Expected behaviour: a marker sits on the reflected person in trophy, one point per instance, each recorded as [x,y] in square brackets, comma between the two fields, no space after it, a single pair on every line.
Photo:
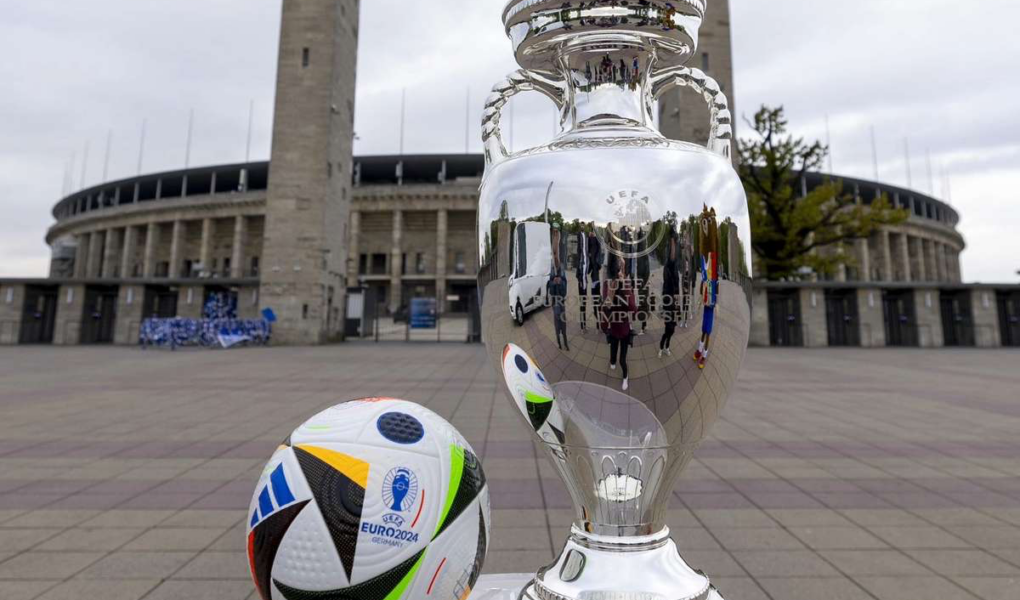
[708,245]
[557,294]
[670,300]
[618,308]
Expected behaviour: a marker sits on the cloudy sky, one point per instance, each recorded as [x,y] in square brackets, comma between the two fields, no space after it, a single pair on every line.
[74,73]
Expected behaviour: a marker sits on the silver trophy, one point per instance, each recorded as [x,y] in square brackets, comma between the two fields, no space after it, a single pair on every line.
[614,282]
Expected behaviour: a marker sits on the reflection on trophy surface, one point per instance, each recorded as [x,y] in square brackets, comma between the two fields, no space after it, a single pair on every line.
[614,281]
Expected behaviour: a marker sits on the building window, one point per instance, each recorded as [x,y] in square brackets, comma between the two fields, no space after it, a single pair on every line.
[226,267]
[378,264]
[254,266]
[362,264]
[459,266]
[163,269]
[704,61]
[419,263]
[403,263]
[306,57]
[188,268]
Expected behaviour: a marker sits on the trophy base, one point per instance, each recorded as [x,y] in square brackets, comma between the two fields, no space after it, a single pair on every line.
[607,568]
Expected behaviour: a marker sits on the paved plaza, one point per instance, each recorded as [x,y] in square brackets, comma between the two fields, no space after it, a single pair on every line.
[832,474]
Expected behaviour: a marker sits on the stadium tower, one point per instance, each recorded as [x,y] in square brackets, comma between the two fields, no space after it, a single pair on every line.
[307,203]
[683,115]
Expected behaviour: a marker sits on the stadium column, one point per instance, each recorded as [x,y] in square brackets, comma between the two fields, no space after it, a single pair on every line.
[922,269]
[128,250]
[442,226]
[304,249]
[354,252]
[904,252]
[933,263]
[95,254]
[111,265]
[887,272]
[237,252]
[396,261]
[943,265]
[176,249]
[205,253]
[863,260]
[151,244]
[81,256]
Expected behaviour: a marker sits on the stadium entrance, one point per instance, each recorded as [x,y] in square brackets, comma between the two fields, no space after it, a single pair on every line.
[160,302]
[900,318]
[957,319]
[784,318]
[1009,318]
[99,316]
[39,315]
[841,317]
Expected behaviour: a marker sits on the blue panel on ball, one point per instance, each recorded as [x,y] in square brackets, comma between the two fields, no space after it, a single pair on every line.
[265,504]
[281,491]
[401,428]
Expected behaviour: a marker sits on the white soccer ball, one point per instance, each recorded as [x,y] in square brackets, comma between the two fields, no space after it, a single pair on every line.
[375,499]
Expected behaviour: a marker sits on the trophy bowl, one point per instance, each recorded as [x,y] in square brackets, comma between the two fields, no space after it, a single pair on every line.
[614,281]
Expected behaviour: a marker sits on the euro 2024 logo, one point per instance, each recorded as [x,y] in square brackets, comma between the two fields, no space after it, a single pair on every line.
[399,491]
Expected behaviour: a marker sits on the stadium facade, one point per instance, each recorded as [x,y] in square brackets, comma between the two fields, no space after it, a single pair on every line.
[298,233]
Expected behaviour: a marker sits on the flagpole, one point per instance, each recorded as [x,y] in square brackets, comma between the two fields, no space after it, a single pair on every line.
[84,166]
[187,146]
[828,143]
[106,159]
[141,146]
[403,108]
[251,117]
[874,152]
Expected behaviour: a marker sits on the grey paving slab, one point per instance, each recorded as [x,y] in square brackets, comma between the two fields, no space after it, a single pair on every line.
[817,481]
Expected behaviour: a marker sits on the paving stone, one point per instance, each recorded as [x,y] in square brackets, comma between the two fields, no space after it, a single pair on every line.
[752,517]
[1001,536]
[90,539]
[201,590]
[47,565]
[517,561]
[914,588]
[175,539]
[874,562]
[742,588]
[813,588]
[964,563]
[837,538]
[24,590]
[784,563]
[77,589]
[918,537]
[134,565]
[16,540]
[127,519]
[808,517]
[52,518]
[991,588]
[216,565]
[756,538]
[520,538]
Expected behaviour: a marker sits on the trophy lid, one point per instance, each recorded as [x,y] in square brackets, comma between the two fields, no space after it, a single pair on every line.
[541,30]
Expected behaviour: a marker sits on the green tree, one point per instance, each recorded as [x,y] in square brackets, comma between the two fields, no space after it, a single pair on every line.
[787,228]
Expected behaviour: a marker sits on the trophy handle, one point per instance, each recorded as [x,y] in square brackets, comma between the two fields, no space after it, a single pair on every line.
[514,83]
[721,135]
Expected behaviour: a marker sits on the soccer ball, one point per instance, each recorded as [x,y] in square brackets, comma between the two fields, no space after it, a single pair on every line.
[374,499]
[532,394]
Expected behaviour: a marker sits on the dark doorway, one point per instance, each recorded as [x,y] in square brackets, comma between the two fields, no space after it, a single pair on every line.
[459,298]
[900,318]
[160,302]
[841,316]
[1009,318]
[99,316]
[39,315]
[957,319]
[784,318]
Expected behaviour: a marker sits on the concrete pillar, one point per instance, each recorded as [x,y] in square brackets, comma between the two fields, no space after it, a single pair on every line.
[986,318]
[95,262]
[70,304]
[871,316]
[759,317]
[954,266]
[237,255]
[887,272]
[442,229]
[151,243]
[128,251]
[129,314]
[176,249]
[205,252]
[904,251]
[815,329]
[354,247]
[863,260]
[922,270]
[81,256]
[12,301]
[932,261]
[928,310]
[943,263]
[111,262]
[190,301]
[396,252]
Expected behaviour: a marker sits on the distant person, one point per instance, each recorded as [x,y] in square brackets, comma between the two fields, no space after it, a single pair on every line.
[618,309]
[708,246]
[557,291]
[670,299]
